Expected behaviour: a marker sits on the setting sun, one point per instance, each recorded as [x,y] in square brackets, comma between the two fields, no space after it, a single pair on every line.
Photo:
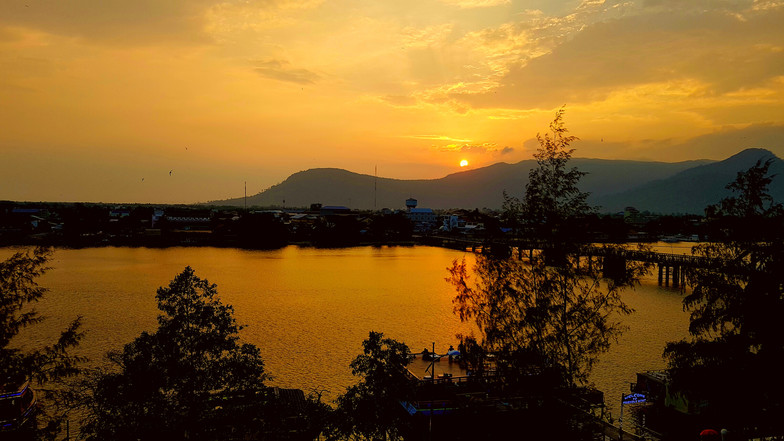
[463,163]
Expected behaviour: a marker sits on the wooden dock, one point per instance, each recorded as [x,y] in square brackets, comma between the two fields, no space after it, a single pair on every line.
[672,268]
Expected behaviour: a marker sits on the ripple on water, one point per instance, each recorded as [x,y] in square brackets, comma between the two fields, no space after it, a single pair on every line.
[309,310]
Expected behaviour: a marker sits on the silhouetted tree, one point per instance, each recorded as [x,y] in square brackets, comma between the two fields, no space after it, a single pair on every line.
[262,230]
[731,360]
[371,409]
[545,313]
[47,368]
[553,199]
[177,382]
[391,227]
[337,231]
[537,316]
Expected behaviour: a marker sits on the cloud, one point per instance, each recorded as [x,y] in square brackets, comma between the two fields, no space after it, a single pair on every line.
[719,145]
[137,22]
[112,21]
[470,4]
[718,50]
[424,37]
[281,70]
[437,138]
[727,142]
[481,149]
[399,100]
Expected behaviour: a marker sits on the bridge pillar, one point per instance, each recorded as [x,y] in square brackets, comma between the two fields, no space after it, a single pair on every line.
[661,269]
[666,275]
[683,276]
[676,276]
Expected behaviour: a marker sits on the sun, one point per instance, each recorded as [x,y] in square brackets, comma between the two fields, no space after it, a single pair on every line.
[463,163]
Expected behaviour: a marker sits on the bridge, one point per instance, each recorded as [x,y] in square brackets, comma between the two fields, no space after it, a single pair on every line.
[672,268]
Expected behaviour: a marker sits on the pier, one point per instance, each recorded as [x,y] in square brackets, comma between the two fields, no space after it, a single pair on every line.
[672,268]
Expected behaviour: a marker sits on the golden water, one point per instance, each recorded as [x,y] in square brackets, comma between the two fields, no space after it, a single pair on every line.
[309,310]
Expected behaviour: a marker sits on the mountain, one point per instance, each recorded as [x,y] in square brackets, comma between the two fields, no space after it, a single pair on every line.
[470,189]
[691,190]
[659,187]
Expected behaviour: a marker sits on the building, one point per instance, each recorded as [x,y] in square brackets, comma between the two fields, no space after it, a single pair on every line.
[422,215]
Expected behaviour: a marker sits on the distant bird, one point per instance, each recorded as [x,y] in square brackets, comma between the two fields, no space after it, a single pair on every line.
[170,172]
[142,179]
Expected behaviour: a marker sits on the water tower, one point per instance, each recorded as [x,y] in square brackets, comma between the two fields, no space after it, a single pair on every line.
[411,203]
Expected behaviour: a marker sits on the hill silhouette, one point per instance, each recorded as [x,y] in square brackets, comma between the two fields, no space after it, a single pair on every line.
[691,190]
[661,187]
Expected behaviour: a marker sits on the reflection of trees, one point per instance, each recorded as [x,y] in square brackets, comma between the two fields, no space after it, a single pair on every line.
[545,314]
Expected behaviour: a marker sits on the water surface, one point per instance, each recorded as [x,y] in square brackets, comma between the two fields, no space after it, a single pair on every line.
[309,310]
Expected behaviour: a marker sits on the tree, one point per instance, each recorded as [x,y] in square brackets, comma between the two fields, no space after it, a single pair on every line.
[48,368]
[175,382]
[370,409]
[552,196]
[545,313]
[735,309]
[536,316]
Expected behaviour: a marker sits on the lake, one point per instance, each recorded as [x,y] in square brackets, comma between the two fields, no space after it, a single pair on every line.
[309,309]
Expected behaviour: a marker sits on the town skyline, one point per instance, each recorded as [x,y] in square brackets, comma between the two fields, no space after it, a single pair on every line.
[184,102]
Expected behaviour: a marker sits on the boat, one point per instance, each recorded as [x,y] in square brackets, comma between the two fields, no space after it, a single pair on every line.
[17,406]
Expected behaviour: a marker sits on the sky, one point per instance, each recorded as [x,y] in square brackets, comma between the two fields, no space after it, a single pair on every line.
[184,101]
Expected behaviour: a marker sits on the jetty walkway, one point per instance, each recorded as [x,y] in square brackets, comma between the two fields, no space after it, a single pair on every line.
[672,268]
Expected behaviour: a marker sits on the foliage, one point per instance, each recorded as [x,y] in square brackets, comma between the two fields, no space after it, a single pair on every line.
[336,231]
[391,227]
[173,383]
[552,196]
[545,313]
[49,367]
[262,230]
[534,316]
[735,310]
[371,409]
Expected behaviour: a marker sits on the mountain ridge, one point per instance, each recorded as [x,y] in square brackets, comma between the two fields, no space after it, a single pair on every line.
[662,187]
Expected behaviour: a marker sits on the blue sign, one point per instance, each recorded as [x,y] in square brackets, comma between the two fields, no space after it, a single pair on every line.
[634,398]
[409,407]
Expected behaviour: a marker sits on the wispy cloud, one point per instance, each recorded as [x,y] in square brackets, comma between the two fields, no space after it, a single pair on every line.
[282,70]
[484,148]
[425,37]
[437,138]
[470,4]
[398,100]
[659,47]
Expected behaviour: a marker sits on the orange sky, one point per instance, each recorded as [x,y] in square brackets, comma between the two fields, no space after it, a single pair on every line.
[100,100]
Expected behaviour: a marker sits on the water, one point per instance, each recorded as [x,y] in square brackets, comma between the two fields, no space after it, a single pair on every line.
[309,310]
